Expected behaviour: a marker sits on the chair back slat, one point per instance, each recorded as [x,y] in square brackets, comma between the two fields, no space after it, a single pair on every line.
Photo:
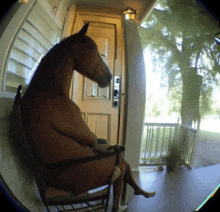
[27,153]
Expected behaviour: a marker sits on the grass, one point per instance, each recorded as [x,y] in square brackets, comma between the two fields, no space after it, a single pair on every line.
[207,135]
[153,159]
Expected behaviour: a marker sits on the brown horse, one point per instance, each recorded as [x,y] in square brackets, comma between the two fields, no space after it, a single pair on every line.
[54,123]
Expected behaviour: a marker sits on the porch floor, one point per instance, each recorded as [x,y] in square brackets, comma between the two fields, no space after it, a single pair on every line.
[183,190]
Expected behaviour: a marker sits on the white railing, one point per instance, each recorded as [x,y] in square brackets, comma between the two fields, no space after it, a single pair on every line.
[157,137]
[189,144]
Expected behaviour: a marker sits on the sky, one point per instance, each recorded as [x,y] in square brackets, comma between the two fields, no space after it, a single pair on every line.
[153,79]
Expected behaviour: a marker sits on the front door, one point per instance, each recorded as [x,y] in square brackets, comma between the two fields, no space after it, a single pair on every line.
[99,110]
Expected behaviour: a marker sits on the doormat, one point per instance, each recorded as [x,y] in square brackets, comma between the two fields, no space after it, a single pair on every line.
[148,169]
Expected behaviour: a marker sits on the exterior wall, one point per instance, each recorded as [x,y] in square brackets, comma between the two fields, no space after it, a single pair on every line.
[136,94]
[13,175]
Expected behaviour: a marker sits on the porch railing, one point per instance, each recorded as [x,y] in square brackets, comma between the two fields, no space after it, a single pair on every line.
[189,144]
[157,137]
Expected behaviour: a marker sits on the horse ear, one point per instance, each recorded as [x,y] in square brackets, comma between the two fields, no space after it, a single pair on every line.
[83,30]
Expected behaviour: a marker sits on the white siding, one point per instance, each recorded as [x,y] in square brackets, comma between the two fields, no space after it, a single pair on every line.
[36,36]
[27,37]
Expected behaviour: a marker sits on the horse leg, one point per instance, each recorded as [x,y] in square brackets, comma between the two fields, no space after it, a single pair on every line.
[126,177]
[118,186]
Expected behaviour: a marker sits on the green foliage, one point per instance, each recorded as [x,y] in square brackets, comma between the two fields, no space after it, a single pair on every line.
[180,36]
[153,106]
[175,97]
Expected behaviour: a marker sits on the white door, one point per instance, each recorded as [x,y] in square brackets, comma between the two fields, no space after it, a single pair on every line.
[96,103]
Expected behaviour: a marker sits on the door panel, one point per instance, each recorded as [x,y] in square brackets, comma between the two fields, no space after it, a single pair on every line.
[99,124]
[91,89]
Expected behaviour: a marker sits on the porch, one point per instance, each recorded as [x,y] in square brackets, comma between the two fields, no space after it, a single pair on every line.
[157,139]
[183,190]
[201,148]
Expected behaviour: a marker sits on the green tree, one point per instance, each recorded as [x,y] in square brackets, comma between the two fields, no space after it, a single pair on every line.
[180,35]
[154,106]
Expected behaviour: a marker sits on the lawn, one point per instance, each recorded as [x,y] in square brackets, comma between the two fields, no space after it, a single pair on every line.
[208,135]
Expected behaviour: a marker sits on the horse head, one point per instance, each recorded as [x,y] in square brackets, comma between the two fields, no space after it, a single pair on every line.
[87,60]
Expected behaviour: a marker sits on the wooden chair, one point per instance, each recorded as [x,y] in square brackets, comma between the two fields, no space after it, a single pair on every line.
[50,194]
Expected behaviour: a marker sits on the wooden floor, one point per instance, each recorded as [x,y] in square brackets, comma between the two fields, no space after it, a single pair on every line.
[181,191]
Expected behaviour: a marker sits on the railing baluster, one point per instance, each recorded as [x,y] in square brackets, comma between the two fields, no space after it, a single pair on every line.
[148,141]
[162,145]
[150,135]
[146,145]
[170,142]
[156,142]
[188,144]
[151,143]
[192,146]
[156,146]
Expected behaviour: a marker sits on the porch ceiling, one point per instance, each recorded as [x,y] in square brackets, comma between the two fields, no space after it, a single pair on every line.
[143,7]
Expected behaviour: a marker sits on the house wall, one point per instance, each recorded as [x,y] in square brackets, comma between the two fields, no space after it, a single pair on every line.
[13,175]
[136,91]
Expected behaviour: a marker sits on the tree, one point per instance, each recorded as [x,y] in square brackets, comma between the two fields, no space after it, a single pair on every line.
[180,35]
[154,109]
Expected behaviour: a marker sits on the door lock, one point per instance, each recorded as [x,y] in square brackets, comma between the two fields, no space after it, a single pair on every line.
[116,91]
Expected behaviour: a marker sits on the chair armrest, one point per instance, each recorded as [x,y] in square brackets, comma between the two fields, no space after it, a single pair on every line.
[102,141]
[68,163]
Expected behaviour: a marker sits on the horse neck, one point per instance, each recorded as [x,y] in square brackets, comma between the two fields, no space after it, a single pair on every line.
[54,73]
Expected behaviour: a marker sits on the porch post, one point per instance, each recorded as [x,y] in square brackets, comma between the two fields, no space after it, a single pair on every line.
[136,94]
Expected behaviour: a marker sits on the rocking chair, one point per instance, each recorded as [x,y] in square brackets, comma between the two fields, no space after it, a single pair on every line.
[50,194]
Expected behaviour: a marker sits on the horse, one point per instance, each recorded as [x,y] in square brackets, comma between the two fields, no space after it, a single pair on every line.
[54,124]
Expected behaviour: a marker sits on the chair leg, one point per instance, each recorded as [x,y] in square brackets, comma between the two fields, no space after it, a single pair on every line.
[48,210]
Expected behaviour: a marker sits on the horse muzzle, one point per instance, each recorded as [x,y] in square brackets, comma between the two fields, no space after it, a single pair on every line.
[105,80]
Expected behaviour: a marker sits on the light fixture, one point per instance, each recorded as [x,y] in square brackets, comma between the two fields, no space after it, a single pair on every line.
[130,14]
[23,1]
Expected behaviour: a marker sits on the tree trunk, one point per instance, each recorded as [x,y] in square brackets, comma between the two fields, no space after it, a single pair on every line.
[189,106]
[190,97]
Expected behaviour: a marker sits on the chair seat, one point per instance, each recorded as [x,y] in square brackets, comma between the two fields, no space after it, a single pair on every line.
[55,196]
[59,197]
